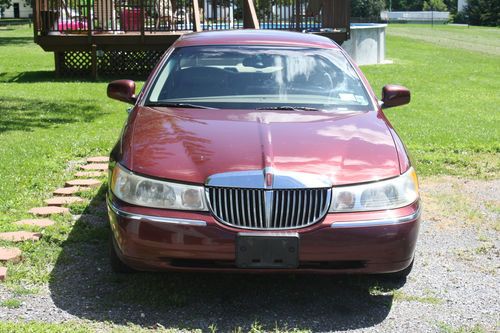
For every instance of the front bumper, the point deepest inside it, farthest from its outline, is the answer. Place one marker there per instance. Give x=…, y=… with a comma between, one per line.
x=365, y=242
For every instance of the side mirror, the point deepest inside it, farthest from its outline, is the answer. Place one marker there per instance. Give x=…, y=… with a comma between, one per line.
x=393, y=95
x=122, y=90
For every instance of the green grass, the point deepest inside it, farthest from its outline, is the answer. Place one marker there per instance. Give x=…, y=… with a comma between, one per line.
x=44, y=124
x=72, y=327
x=478, y=39
x=445, y=328
x=451, y=125
x=400, y=296
x=33, y=327
x=12, y=303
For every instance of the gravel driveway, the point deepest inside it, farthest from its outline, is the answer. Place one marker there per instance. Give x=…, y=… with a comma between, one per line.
x=454, y=284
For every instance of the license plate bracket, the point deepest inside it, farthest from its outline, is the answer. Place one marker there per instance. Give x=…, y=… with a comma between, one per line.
x=267, y=250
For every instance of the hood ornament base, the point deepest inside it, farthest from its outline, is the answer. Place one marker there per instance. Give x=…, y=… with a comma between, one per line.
x=268, y=178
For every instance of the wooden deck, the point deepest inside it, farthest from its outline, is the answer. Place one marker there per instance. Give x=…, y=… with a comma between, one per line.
x=87, y=35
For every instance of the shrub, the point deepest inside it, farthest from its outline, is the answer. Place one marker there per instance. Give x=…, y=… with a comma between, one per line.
x=437, y=5
x=483, y=12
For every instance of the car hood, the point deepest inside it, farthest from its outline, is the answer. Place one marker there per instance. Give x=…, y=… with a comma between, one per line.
x=192, y=144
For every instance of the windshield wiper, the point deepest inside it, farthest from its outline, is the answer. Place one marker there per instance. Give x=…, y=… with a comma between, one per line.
x=178, y=105
x=292, y=108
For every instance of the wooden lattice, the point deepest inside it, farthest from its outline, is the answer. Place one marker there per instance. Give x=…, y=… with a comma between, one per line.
x=128, y=62
x=133, y=63
x=75, y=63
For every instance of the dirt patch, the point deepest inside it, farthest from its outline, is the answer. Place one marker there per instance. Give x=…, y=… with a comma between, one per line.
x=451, y=202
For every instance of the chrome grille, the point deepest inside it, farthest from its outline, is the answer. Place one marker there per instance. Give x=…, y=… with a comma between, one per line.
x=268, y=209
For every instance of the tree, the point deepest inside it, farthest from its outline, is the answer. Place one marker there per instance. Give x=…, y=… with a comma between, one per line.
x=4, y=4
x=452, y=5
x=367, y=8
x=406, y=5
x=437, y=5
x=483, y=12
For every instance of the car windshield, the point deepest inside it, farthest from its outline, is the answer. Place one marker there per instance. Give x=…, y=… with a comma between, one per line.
x=249, y=77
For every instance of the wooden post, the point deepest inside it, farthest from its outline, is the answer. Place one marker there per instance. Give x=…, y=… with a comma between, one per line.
x=250, y=20
x=298, y=14
x=35, y=18
x=347, y=11
x=93, y=55
x=328, y=13
x=57, y=63
x=143, y=12
x=341, y=15
x=89, y=21
x=214, y=13
x=196, y=14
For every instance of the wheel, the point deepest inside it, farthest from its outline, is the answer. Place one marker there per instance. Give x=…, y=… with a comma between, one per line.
x=403, y=274
x=117, y=265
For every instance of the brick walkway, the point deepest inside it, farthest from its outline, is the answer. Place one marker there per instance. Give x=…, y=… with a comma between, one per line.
x=95, y=167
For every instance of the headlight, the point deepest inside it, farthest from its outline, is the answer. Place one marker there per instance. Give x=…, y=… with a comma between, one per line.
x=386, y=194
x=149, y=192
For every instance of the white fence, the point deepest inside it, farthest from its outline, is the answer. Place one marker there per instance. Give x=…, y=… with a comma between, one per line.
x=426, y=16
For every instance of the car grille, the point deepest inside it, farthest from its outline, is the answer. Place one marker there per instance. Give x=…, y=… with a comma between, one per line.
x=268, y=209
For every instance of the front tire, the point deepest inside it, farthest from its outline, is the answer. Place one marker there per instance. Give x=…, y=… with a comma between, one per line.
x=117, y=265
x=401, y=275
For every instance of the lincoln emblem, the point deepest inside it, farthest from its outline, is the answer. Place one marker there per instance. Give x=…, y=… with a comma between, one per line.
x=269, y=179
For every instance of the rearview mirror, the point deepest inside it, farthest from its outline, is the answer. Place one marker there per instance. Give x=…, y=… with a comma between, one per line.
x=122, y=90
x=393, y=95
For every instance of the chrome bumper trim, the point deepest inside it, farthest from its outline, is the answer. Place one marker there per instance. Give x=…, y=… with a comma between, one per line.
x=140, y=217
x=379, y=222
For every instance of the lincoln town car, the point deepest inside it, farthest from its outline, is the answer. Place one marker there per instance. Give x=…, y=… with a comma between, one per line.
x=261, y=151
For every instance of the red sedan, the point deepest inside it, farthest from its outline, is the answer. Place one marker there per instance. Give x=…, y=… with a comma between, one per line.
x=261, y=151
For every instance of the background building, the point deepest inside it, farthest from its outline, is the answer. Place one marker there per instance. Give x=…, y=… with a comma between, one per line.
x=18, y=9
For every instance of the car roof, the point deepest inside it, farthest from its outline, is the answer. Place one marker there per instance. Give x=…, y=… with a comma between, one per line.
x=255, y=37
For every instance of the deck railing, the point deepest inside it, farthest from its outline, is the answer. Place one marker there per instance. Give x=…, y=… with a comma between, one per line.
x=93, y=17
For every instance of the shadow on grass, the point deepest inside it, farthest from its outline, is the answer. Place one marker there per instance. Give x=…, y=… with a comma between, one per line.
x=23, y=114
x=50, y=76
x=83, y=285
x=15, y=41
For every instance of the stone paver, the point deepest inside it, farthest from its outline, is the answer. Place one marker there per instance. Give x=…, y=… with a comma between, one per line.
x=98, y=159
x=95, y=166
x=3, y=273
x=42, y=223
x=61, y=201
x=48, y=210
x=20, y=236
x=70, y=190
x=90, y=174
x=83, y=182
x=11, y=254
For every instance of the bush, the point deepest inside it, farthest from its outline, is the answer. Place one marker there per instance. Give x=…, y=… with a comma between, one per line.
x=483, y=12
x=436, y=5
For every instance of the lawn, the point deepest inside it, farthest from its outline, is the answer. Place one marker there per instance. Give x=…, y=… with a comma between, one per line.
x=45, y=123
x=450, y=127
x=478, y=39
